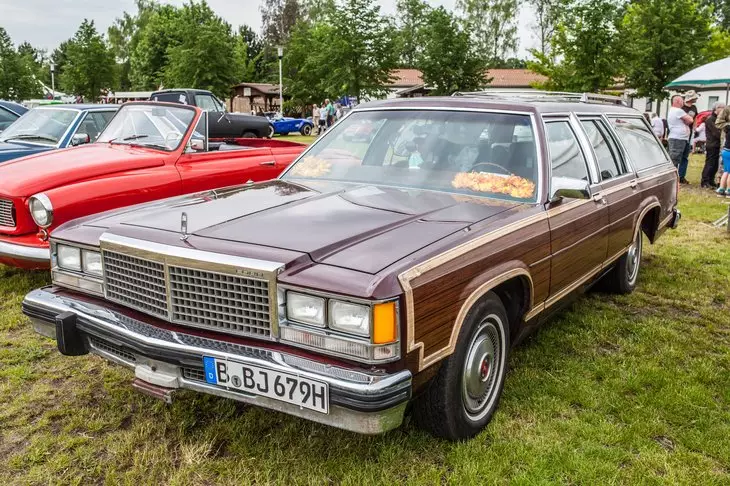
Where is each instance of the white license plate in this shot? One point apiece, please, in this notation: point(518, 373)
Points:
point(286, 387)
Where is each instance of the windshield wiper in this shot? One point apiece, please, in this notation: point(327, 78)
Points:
point(127, 139)
point(29, 136)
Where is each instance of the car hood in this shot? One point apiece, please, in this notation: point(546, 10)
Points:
point(41, 172)
point(359, 227)
point(12, 150)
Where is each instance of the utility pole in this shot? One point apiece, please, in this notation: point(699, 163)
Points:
point(53, 80)
point(280, 52)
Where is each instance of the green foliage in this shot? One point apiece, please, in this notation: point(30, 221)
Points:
point(17, 70)
point(492, 24)
point(209, 55)
point(149, 58)
point(548, 14)
point(90, 64)
point(448, 61)
point(718, 46)
point(584, 49)
point(661, 41)
point(124, 36)
point(411, 17)
point(720, 13)
point(350, 52)
point(278, 18)
point(254, 68)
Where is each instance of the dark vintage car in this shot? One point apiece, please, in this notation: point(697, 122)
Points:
point(375, 274)
point(222, 123)
point(9, 112)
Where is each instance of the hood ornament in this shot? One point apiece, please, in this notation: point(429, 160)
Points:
point(184, 226)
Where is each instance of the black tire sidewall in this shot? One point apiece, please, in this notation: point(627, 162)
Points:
point(461, 426)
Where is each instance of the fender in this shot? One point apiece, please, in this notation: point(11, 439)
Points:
point(646, 205)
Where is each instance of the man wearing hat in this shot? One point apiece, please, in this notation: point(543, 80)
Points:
point(690, 107)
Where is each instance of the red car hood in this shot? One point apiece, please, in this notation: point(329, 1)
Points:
point(31, 175)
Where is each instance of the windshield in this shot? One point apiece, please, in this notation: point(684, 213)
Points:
point(476, 153)
point(160, 127)
point(45, 126)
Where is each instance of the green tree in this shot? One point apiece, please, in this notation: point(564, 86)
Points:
point(363, 48)
point(492, 24)
point(410, 19)
point(661, 41)
point(254, 65)
point(149, 59)
point(209, 56)
point(447, 60)
point(584, 49)
point(718, 46)
point(18, 70)
point(308, 64)
point(90, 66)
point(720, 13)
point(548, 14)
point(278, 18)
point(124, 36)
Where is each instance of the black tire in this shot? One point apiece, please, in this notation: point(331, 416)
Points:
point(306, 130)
point(248, 135)
point(449, 408)
point(623, 276)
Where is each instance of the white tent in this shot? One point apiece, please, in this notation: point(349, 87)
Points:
point(713, 75)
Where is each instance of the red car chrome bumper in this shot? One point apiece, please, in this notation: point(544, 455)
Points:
point(24, 255)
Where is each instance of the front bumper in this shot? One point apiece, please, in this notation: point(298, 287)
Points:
point(25, 256)
point(676, 216)
point(363, 402)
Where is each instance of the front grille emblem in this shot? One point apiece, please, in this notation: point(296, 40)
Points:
point(184, 226)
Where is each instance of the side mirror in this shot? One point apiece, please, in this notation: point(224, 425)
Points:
point(197, 145)
point(567, 187)
point(80, 139)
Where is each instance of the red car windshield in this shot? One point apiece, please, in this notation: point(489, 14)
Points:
point(155, 126)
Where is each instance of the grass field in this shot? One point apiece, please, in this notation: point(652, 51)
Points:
point(615, 390)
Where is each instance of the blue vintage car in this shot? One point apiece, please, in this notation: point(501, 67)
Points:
point(9, 112)
point(52, 127)
point(286, 125)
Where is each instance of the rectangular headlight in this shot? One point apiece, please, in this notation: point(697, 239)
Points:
point(69, 257)
point(306, 309)
point(91, 262)
point(349, 318)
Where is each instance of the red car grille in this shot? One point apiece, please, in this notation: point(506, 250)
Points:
point(7, 213)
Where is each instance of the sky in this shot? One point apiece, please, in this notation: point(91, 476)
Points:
point(46, 23)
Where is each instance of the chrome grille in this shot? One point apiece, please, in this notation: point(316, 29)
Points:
point(239, 304)
point(7, 215)
point(135, 282)
point(223, 302)
point(112, 349)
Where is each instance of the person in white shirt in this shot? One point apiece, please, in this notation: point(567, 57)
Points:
point(657, 126)
point(698, 143)
point(679, 131)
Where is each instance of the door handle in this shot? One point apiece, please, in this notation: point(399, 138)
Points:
point(633, 184)
point(600, 199)
point(268, 162)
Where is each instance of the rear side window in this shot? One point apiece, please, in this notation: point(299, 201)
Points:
point(641, 144)
point(607, 155)
point(178, 97)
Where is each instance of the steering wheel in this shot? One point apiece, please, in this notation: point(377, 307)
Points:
point(171, 140)
point(507, 172)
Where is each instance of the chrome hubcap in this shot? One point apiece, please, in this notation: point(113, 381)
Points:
point(482, 368)
point(633, 259)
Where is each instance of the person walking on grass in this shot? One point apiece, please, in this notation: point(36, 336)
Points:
point(322, 119)
point(712, 147)
point(689, 107)
point(315, 116)
point(657, 126)
point(679, 131)
point(723, 123)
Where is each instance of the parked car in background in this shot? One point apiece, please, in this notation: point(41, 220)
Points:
point(371, 275)
point(9, 112)
point(148, 151)
point(222, 123)
point(285, 125)
point(52, 127)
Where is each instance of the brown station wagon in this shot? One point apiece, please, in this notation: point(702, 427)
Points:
point(378, 274)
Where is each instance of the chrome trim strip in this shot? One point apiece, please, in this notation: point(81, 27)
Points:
point(22, 252)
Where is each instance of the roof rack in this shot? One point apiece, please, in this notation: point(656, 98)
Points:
point(536, 95)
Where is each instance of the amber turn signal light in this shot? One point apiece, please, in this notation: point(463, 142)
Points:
point(384, 323)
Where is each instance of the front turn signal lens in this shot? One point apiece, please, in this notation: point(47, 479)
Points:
point(384, 323)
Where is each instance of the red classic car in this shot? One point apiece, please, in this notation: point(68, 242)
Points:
point(148, 151)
